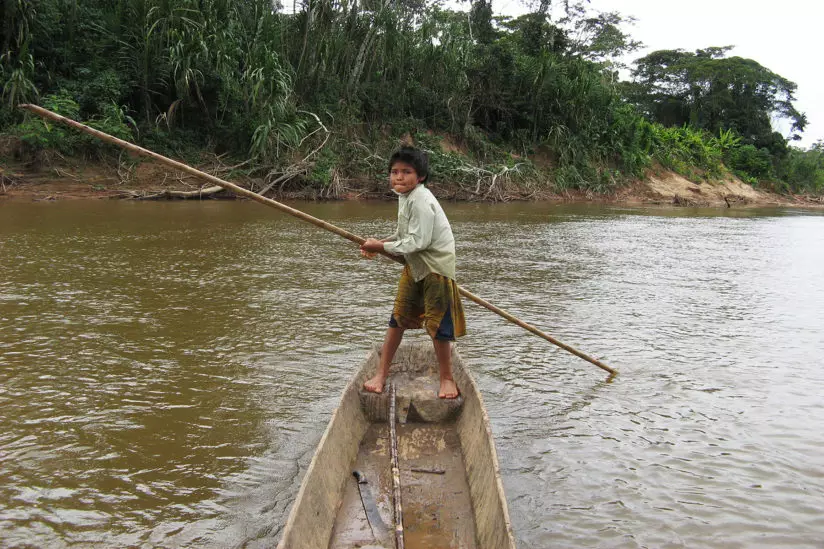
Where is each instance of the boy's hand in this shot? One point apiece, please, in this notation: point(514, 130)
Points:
point(372, 245)
point(368, 255)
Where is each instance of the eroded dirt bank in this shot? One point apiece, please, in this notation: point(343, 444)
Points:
point(147, 180)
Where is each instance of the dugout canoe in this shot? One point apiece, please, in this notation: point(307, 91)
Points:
point(450, 484)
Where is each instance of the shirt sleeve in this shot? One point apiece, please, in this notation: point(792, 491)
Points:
point(419, 234)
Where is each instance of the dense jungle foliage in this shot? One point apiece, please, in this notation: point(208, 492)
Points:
point(319, 92)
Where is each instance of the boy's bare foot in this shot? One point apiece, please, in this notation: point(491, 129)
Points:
point(375, 385)
point(448, 389)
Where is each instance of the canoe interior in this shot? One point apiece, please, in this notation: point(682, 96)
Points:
point(462, 508)
point(436, 507)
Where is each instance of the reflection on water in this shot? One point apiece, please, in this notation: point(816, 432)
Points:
point(167, 369)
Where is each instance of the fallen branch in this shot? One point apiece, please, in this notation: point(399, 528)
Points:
point(298, 168)
point(488, 183)
point(169, 194)
point(5, 178)
point(200, 193)
point(63, 173)
point(291, 172)
point(221, 169)
point(125, 171)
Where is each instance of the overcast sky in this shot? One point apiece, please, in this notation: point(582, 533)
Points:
point(786, 37)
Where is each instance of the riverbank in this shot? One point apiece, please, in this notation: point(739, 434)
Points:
point(65, 179)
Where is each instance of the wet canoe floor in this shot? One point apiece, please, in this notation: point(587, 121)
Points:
point(437, 510)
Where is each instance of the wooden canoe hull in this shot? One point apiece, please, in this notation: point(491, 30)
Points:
point(463, 508)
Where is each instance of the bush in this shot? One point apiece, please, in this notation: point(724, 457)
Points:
point(323, 167)
point(683, 149)
point(750, 163)
point(38, 134)
point(804, 170)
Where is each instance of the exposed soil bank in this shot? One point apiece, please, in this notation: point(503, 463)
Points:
point(70, 181)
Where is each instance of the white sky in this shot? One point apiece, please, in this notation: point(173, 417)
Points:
point(785, 37)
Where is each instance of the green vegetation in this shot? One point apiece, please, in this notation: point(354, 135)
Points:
point(698, 96)
point(323, 94)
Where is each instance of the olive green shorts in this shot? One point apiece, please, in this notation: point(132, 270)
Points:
point(433, 303)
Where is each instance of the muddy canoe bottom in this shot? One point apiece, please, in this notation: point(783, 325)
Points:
point(451, 490)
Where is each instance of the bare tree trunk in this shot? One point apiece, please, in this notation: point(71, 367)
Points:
point(360, 61)
point(306, 30)
point(366, 45)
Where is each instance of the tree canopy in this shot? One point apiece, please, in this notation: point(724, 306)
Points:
point(707, 90)
point(254, 80)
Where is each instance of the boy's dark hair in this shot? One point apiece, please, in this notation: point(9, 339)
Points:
point(415, 158)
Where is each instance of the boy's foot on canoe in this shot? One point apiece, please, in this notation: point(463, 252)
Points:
point(375, 385)
point(448, 389)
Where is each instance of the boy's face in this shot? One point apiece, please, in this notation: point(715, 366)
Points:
point(403, 177)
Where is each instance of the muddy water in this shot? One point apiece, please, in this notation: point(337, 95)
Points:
point(167, 369)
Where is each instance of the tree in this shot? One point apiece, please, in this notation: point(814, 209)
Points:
point(600, 38)
point(709, 91)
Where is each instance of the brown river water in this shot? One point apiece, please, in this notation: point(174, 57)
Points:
point(166, 369)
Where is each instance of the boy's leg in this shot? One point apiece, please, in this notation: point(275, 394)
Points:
point(391, 341)
point(406, 307)
point(438, 307)
point(443, 350)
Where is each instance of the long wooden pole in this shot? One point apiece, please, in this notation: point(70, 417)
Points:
point(45, 113)
point(396, 471)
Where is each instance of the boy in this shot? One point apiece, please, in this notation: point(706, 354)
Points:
point(427, 293)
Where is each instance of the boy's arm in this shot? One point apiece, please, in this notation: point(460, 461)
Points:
point(419, 233)
point(374, 245)
point(392, 237)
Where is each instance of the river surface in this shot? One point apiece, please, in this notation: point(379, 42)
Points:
point(166, 369)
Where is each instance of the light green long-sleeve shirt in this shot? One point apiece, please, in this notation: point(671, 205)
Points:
point(424, 236)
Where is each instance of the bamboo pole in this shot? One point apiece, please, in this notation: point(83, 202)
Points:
point(396, 471)
point(44, 113)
